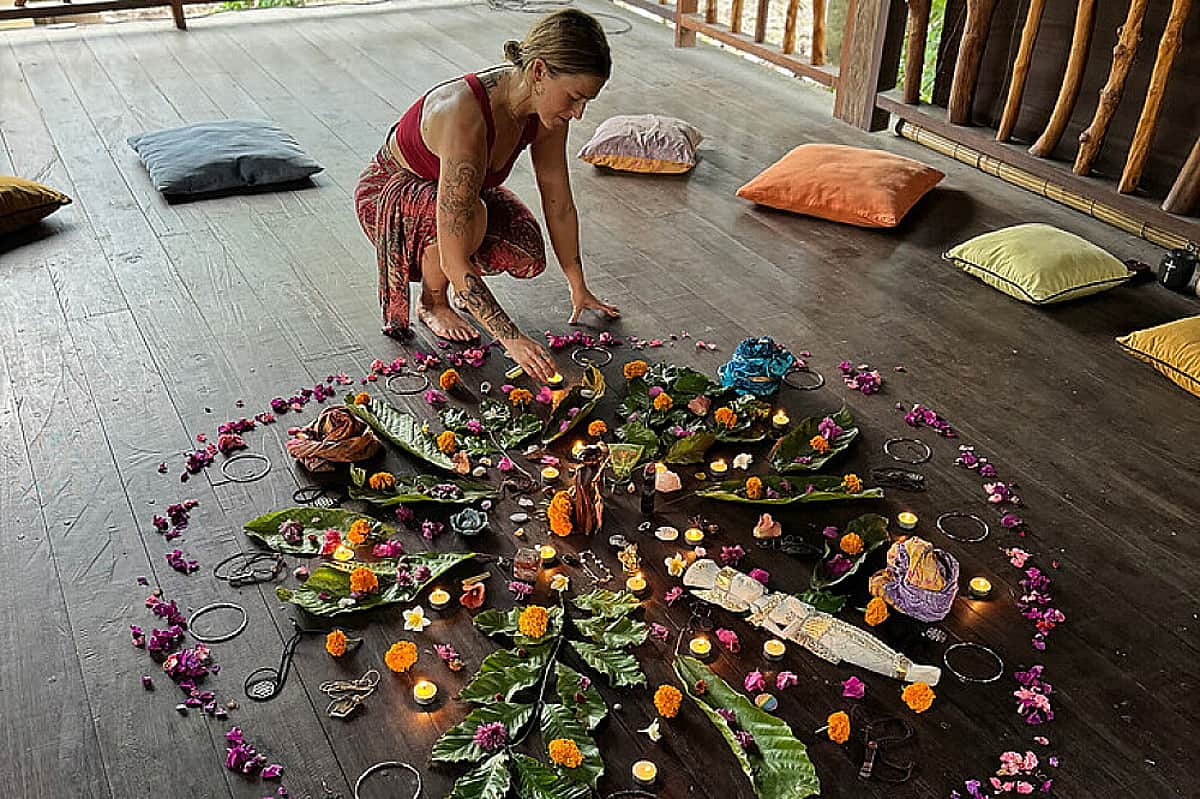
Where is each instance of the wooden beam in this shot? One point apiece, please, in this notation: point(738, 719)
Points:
point(73, 9)
point(694, 23)
point(1128, 37)
point(818, 34)
point(1184, 197)
point(684, 36)
point(870, 58)
point(970, 55)
point(1068, 93)
point(1020, 72)
point(789, 27)
point(914, 61)
point(735, 16)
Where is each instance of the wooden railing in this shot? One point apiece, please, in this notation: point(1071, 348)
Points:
point(67, 9)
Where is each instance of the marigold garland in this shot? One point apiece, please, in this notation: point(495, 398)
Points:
point(564, 752)
point(382, 481)
point(851, 543)
point(358, 531)
point(918, 696)
point(877, 612)
point(363, 581)
point(447, 442)
point(819, 444)
point(663, 402)
point(667, 700)
point(520, 397)
point(401, 656)
point(839, 727)
point(635, 369)
point(335, 643)
point(725, 416)
point(754, 488)
point(597, 428)
point(559, 514)
point(532, 621)
point(852, 484)
point(448, 379)
point(362, 398)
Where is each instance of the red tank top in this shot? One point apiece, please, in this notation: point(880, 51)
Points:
point(428, 166)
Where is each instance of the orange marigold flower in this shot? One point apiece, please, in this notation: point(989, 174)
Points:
point(597, 428)
point(448, 379)
point(839, 727)
point(663, 402)
point(852, 484)
point(401, 656)
point(666, 700)
point(918, 696)
point(520, 396)
point(559, 514)
point(362, 398)
point(819, 444)
point(532, 621)
point(877, 612)
point(447, 442)
point(851, 543)
point(335, 643)
point(564, 752)
point(382, 481)
point(363, 581)
point(754, 488)
point(358, 531)
point(725, 417)
point(635, 369)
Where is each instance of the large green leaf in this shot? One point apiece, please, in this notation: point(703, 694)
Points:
point(688, 384)
point(536, 780)
point(491, 780)
point(586, 703)
point(825, 601)
point(416, 488)
point(778, 764)
point(498, 420)
point(825, 488)
point(638, 433)
point(455, 419)
point(560, 722)
point(458, 742)
point(402, 429)
point(506, 673)
point(316, 521)
point(494, 622)
point(330, 582)
point(752, 420)
point(610, 604)
point(561, 421)
point(691, 449)
point(795, 444)
point(872, 528)
point(620, 667)
point(619, 633)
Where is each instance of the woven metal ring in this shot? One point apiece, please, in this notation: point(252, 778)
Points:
point(389, 384)
point(887, 445)
point(317, 496)
point(791, 381)
point(972, 645)
point(954, 514)
point(217, 639)
point(246, 456)
point(386, 765)
point(583, 360)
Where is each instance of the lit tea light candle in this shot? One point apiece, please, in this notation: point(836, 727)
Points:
point(660, 466)
point(424, 692)
point(343, 553)
point(693, 535)
point(439, 598)
point(549, 474)
point(549, 554)
point(577, 448)
point(719, 466)
point(636, 584)
point(700, 647)
point(555, 380)
point(644, 772)
point(907, 520)
point(773, 649)
point(780, 419)
point(980, 587)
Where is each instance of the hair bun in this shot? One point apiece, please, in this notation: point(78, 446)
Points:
point(512, 51)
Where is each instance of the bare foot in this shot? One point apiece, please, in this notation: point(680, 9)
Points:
point(445, 322)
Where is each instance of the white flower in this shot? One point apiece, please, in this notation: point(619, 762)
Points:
point(742, 461)
point(414, 619)
point(676, 565)
point(560, 582)
point(653, 731)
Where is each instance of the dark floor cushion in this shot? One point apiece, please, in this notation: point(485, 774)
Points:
point(219, 156)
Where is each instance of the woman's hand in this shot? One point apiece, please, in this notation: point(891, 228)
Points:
point(532, 357)
point(584, 300)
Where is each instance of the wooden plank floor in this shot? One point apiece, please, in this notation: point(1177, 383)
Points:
point(127, 326)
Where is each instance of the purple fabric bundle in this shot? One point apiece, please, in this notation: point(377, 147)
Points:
point(921, 603)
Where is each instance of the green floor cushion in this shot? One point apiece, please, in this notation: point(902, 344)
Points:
point(1039, 264)
point(1173, 349)
point(23, 202)
point(219, 156)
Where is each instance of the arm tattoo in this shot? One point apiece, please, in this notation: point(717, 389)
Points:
point(458, 198)
point(478, 299)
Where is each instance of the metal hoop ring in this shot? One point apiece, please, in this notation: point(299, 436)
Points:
point(583, 360)
point(388, 384)
point(217, 639)
point(954, 514)
point(386, 765)
point(247, 569)
point(921, 459)
point(246, 456)
point(790, 381)
point(318, 496)
point(972, 645)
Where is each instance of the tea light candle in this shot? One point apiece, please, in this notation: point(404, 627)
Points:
point(577, 448)
point(549, 474)
point(424, 692)
point(773, 649)
point(343, 553)
point(719, 466)
point(980, 587)
point(780, 419)
point(636, 584)
point(700, 646)
point(907, 520)
point(693, 535)
point(439, 598)
point(659, 466)
point(555, 380)
point(549, 554)
point(644, 772)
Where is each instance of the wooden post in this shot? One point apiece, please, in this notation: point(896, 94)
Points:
point(789, 27)
point(1020, 73)
point(970, 55)
point(1143, 137)
point(1110, 96)
point(710, 11)
point(177, 12)
point(735, 16)
point(684, 37)
point(818, 34)
point(870, 57)
point(914, 61)
point(760, 21)
point(1068, 93)
point(1184, 198)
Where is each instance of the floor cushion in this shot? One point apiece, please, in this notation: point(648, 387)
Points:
point(1173, 349)
point(24, 202)
point(643, 143)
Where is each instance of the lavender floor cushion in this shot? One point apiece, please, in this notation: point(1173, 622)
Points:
point(219, 156)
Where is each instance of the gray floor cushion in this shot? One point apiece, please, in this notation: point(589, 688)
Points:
point(218, 156)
